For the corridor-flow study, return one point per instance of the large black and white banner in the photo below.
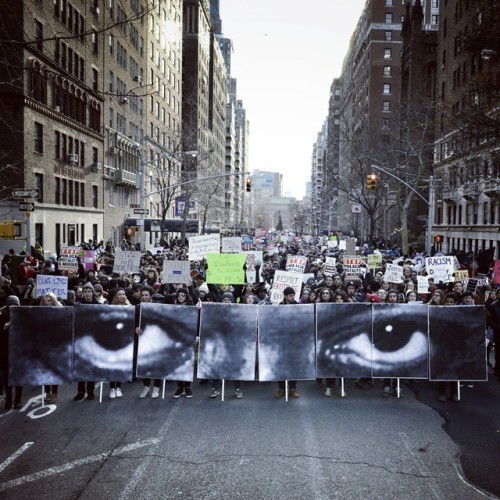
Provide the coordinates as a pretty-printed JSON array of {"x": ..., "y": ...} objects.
[
  {"x": 228, "y": 342},
  {"x": 166, "y": 346},
  {"x": 344, "y": 340},
  {"x": 286, "y": 342},
  {"x": 40, "y": 345},
  {"x": 400, "y": 341},
  {"x": 457, "y": 343},
  {"x": 104, "y": 342}
]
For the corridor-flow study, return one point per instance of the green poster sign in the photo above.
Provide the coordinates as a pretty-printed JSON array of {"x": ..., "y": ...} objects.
[{"x": 226, "y": 268}]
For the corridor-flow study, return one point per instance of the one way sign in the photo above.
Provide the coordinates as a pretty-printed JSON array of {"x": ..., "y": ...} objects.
[{"x": 26, "y": 207}]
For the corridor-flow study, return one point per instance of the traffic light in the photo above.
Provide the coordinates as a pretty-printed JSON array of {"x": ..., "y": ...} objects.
[
  {"x": 10, "y": 230},
  {"x": 438, "y": 239},
  {"x": 249, "y": 184},
  {"x": 371, "y": 182}
]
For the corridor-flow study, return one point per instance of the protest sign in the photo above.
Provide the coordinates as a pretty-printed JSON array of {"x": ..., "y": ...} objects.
[
  {"x": 176, "y": 271},
  {"x": 496, "y": 272},
  {"x": 226, "y": 268},
  {"x": 440, "y": 268},
  {"x": 89, "y": 259},
  {"x": 58, "y": 285},
  {"x": 342, "y": 245},
  {"x": 374, "y": 260},
  {"x": 422, "y": 284},
  {"x": 283, "y": 279},
  {"x": 254, "y": 265},
  {"x": 247, "y": 242},
  {"x": 68, "y": 259},
  {"x": 461, "y": 274},
  {"x": 351, "y": 247},
  {"x": 296, "y": 264},
  {"x": 353, "y": 267},
  {"x": 332, "y": 243},
  {"x": 201, "y": 246},
  {"x": 393, "y": 273},
  {"x": 126, "y": 262},
  {"x": 471, "y": 284},
  {"x": 231, "y": 245},
  {"x": 330, "y": 266}
]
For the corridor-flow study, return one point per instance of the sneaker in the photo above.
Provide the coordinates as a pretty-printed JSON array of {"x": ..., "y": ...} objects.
[
  {"x": 280, "y": 394},
  {"x": 79, "y": 396},
  {"x": 189, "y": 392},
  {"x": 442, "y": 399},
  {"x": 179, "y": 392},
  {"x": 112, "y": 393},
  {"x": 454, "y": 398},
  {"x": 119, "y": 393},
  {"x": 214, "y": 392},
  {"x": 90, "y": 396},
  {"x": 156, "y": 393},
  {"x": 238, "y": 394},
  {"x": 145, "y": 392},
  {"x": 387, "y": 391},
  {"x": 293, "y": 393},
  {"x": 328, "y": 392}
]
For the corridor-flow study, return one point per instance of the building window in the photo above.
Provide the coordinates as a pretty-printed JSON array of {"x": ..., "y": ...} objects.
[
  {"x": 39, "y": 187},
  {"x": 387, "y": 53},
  {"x": 39, "y": 35},
  {"x": 388, "y": 18},
  {"x": 95, "y": 79},
  {"x": 388, "y": 36},
  {"x": 386, "y": 124},
  {"x": 58, "y": 191},
  {"x": 38, "y": 138},
  {"x": 95, "y": 45},
  {"x": 434, "y": 19},
  {"x": 389, "y": 3},
  {"x": 387, "y": 71},
  {"x": 386, "y": 106},
  {"x": 95, "y": 196},
  {"x": 387, "y": 88}
]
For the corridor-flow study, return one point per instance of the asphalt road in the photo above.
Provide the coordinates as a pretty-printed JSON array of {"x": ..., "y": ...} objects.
[{"x": 362, "y": 446}]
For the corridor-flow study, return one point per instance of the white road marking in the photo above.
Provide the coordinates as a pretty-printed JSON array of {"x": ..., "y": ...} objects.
[
  {"x": 77, "y": 463},
  {"x": 469, "y": 484},
  {"x": 20, "y": 451}
]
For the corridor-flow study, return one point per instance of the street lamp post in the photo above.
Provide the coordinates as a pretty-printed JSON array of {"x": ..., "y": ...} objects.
[{"x": 430, "y": 203}]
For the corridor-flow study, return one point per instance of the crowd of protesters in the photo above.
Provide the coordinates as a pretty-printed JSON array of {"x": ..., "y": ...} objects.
[{"x": 99, "y": 285}]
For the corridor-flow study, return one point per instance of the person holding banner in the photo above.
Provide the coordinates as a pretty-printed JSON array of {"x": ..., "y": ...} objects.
[
  {"x": 493, "y": 309},
  {"x": 288, "y": 299}
]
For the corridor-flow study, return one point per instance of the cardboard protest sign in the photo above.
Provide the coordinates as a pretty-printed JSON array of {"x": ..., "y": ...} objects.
[
  {"x": 350, "y": 249},
  {"x": 254, "y": 266},
  {"x": 342, "y": 245},
  {"x": 422, "y": 284},
  {"x": 440, "y": 268},
  {"x": 344, "y": 340},
  {"x": 393, "y": 273},
  {"x": 40, "y": 345},
  {"x": 201, "y": 246},
  {"x": 461, "y": 274},
  {"x": 166, "y": 345},
  {"x": 296, "y": 264},
  {"x": 330, "y": 266},
  {"x": 331, "y": 243},
  {"x": 282, "y": 279},
  {"x": 353, "y": 267},
  {"x": 176, "y": 271},
  {"x": 471, "y": 284},
  {"x": 46, "y": 283},
  {"x": 68, "y": 259},
  {"x": 286, "y": 342},
  {"x": 400, "y": 341},
  {"x": 228, "y": 341},
  {"x": 103, "y": 342},
  {"x": 226, "y": 268},
  {"x": 457, "y": 344},
  {"x": 374, "y": 260},
  {"x": 231, "y": 245},
  {"x": 126, "y": 262},
  {"x": 496, "y": 272},
  {"x": 88, "y": 259}
]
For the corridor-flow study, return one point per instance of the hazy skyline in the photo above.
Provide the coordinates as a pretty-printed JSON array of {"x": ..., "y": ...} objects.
[{"x": 286, "y": 55}]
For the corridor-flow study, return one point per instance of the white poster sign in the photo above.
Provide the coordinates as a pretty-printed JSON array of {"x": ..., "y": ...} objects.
[
  {"x": 393, "y": 273},
  {"x": 254, "y": 264},
  {"x": 127, "y": 262},
  {"x": 440, "y": 268},
  {"x": 422, "y": 284},
  {"x": 296, "y": 264},
  {"x": 330, "y": 266},
  {"x": 68, "y": 259},
  {"x": 231, "y": 245},
  {"x": 176, "y": 271},
  {"x": 201, "y": 246},
  {"x": 283, "y": 279},
  {"x": 58, "y": 285}
]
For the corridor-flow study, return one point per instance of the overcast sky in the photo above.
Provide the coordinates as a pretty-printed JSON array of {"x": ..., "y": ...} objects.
[{"x": 286, "y": 54}]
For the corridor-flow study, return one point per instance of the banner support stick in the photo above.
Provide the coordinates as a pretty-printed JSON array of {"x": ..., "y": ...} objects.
[
  {"x": 398, "y": 389},
  {"x": 223, "y": 387},
  {"x": 458, "y": 387},
  {"x": 163, "y": 389},
  {"x": 342, "y": 392},
  {"x": 43, "y": 396},
  {"x": 286, "y": 391},
  {"x": 100, "y": 391}
]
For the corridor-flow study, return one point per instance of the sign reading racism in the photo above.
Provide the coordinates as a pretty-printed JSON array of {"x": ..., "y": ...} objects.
[
  {"x": 58, "y": 285},
  {"x": 283, "y": 279},
  {"x": 126, "y": 262},
  {"x": 440, "y": 268},
  {"x": 201, "y": 246}
]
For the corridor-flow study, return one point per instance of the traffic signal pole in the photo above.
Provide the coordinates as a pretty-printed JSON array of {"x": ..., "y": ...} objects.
[{"x": 430, "y": 203}]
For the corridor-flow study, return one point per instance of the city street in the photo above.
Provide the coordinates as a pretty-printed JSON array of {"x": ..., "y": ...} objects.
[{"x": 361, "y": 446}]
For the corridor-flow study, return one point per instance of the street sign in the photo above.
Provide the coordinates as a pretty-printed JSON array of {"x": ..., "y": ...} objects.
[
  {"x": 24, "y": 193},
  {"x": 141, "y": 211},
  {"x": 26, "y": 207}
]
